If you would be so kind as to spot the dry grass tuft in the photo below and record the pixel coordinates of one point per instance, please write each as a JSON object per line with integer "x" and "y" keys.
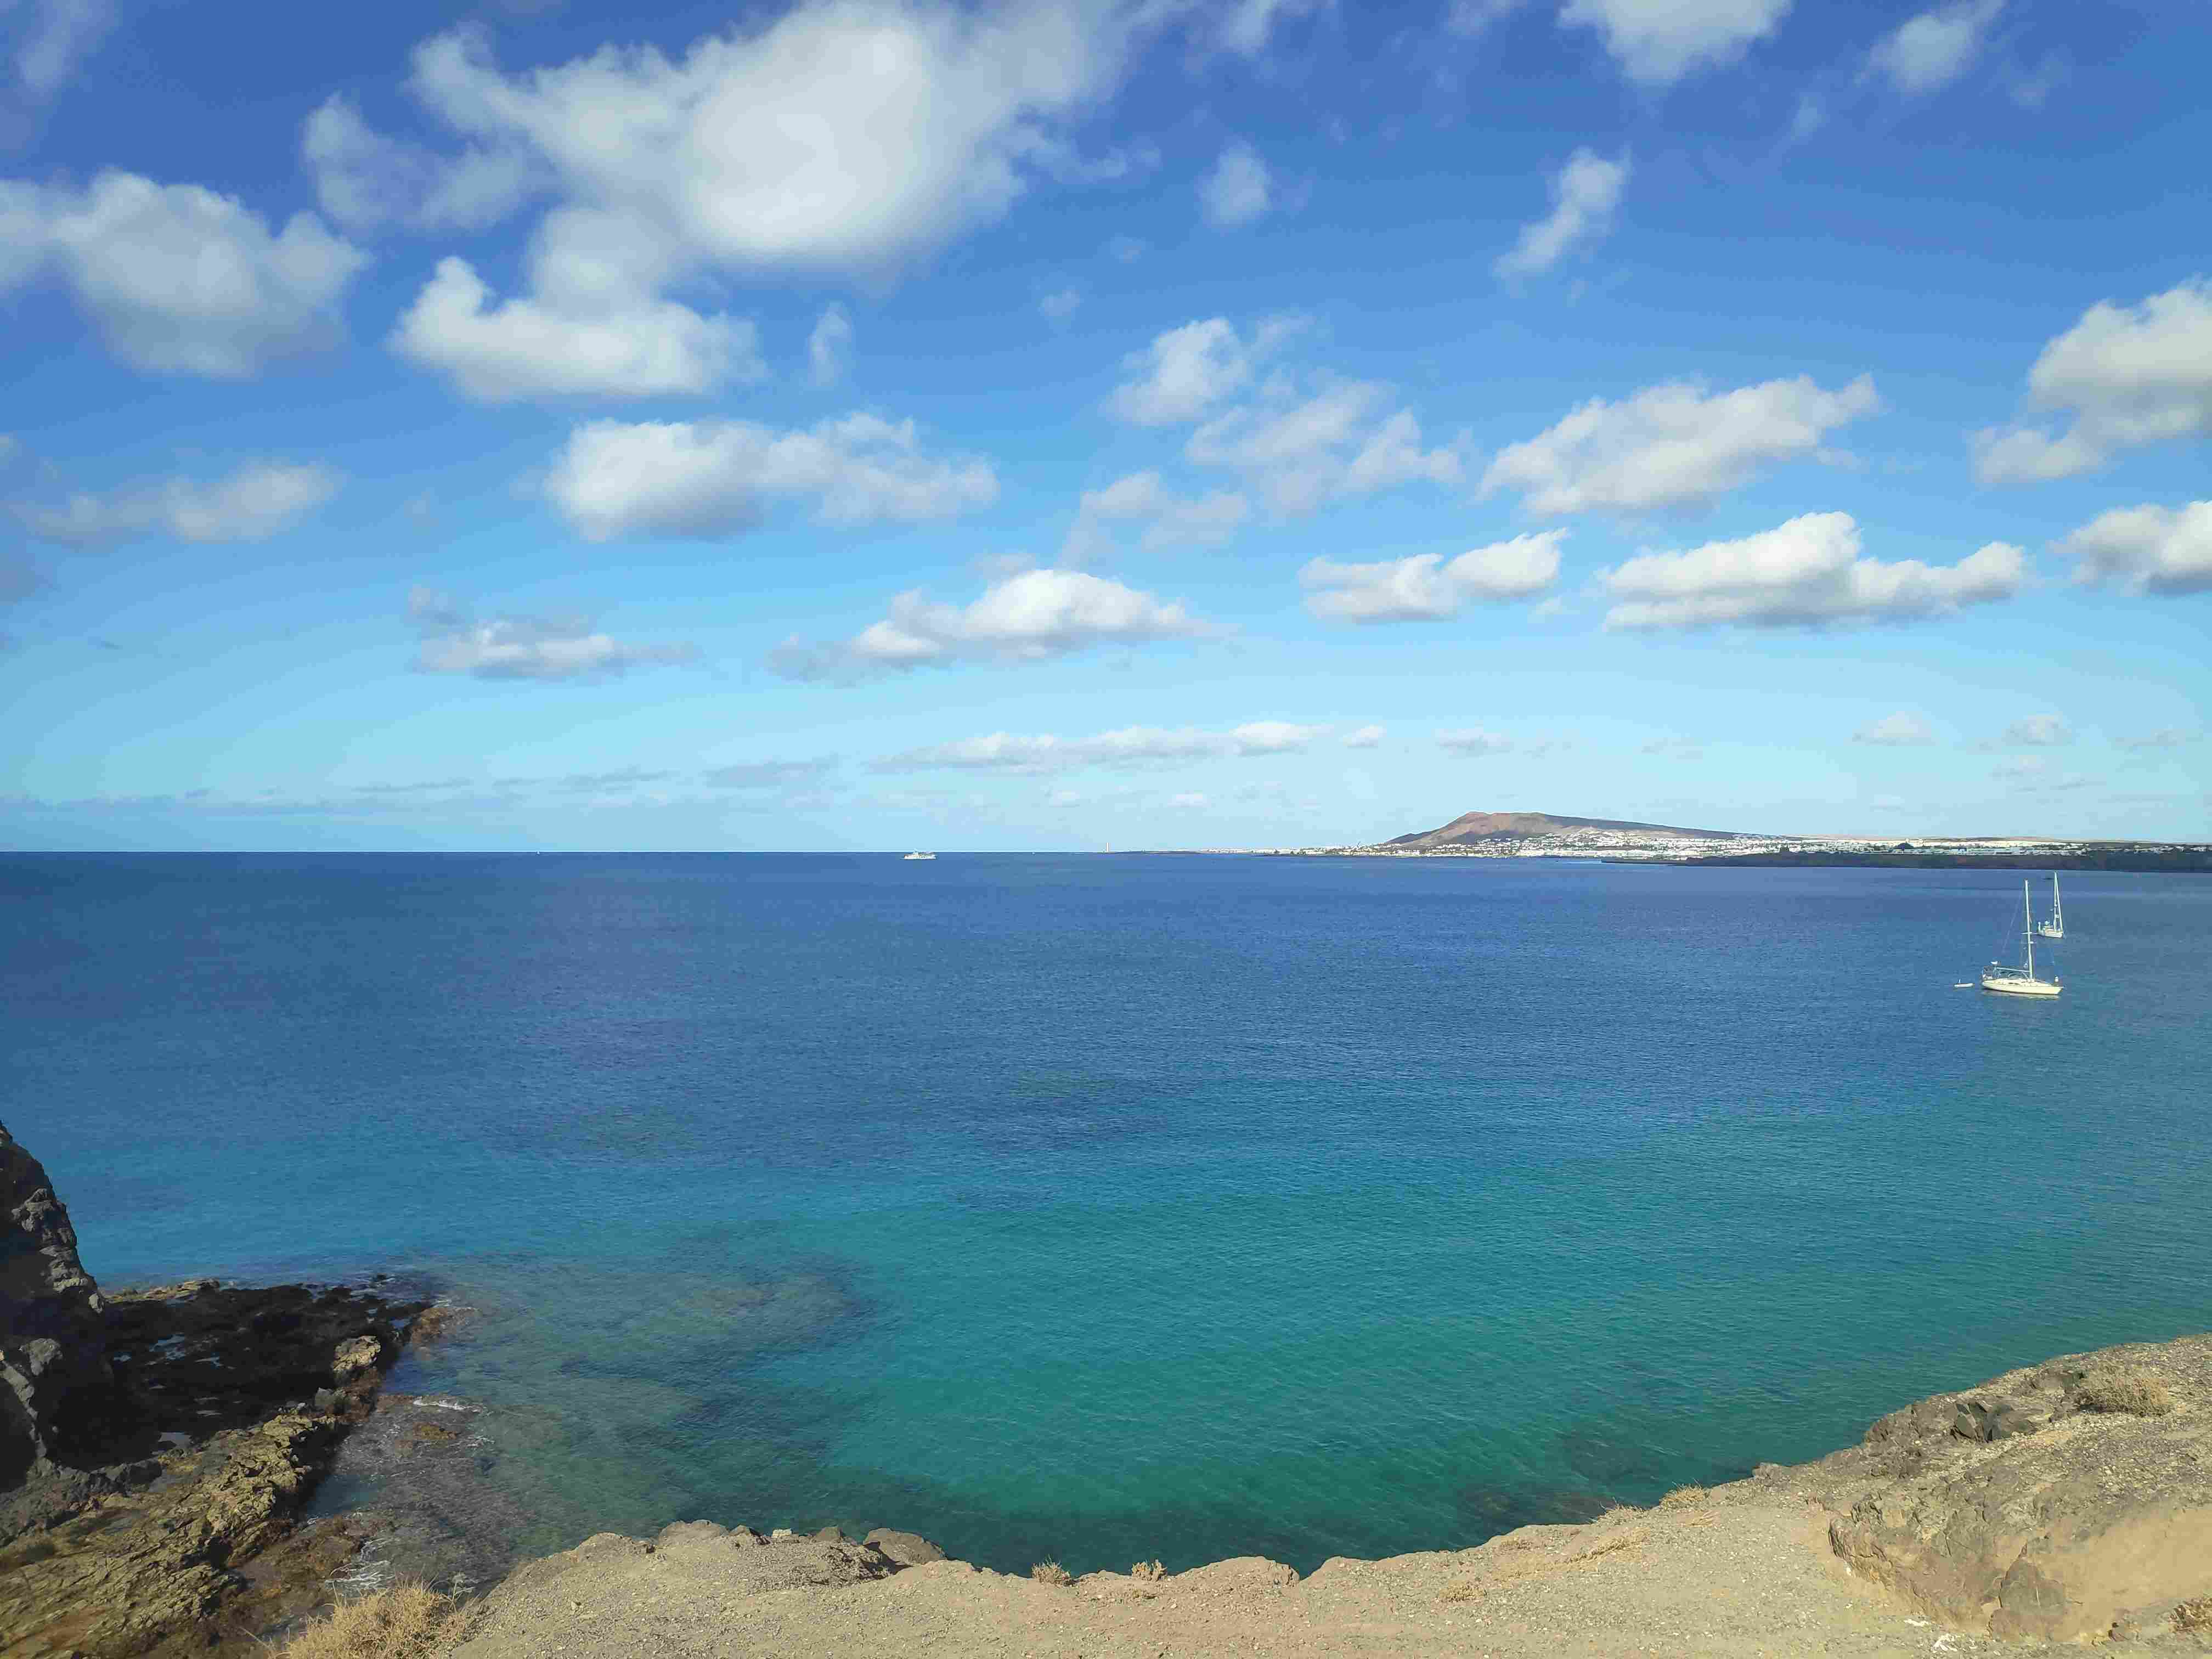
{"x": 1619, "y": 1512}
{"x": 1051, "y": 1573}
{"x": 1147, "y": 1572}
{"x": 2137, "y": 1393}
{"x": 1459, "y": 1590}
{"x": 1626, "y": 1541}
{"x": 407, "y": 1621}
{"x": 2193, "y": 1615}
{"x": 1682, "y": 1495}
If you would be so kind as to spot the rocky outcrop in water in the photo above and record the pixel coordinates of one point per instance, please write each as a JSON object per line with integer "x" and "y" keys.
{"x": 162, "y": 1442}
{"x": 55, "y": 1383}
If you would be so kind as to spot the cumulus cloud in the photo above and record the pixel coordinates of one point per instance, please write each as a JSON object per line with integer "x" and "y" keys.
{"x": 258, "y": 500}
{"x": 713, "y": 478}
{"x": 2039, "y": 731}
{"x": 2131, "y": 375}
{"x": 527, "y": 348}
{"x": 1806, "y": 572}
{"x": 177, "y": 279}
{"x": 522, "y": 647}
{"x": 1028, "y": 618}
{"x": 829, "y": 347}
{"x": 1425, "y": 588}
{"x": 1673, "y": 444}
{"x": 1657, "y": 42}
{"x": 1187, "y": 370}
{"x": 1585, "y": 193}
{"x": 1125, "y": 746}
{"x": 1300, "y": 449}
{"x": 1248, "y": 24}
{"x": 1474, "y": 741}
{"x": 2147, "y": 550}
{"x": 1169, "y": 520}
{"x": 1237, "y": 189}
{"x": 367, "y": 181}
{"x": 1366, "y": 737}
{"x": 1927, "y": 52}
{"x": 1903, "y": 729}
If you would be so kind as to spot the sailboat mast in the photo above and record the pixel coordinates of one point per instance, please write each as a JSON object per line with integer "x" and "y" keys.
{"x": 2027, "y": 927}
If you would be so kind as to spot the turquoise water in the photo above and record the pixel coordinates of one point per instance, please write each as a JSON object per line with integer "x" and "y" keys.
{"x": 1109, "y": 1208}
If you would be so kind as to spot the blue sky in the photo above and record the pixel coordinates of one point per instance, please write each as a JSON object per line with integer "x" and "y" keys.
{"x": 1069, "y": 423}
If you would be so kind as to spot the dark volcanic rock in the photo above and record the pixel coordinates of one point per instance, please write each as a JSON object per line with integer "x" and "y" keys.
{"x": 55, "y": 1385}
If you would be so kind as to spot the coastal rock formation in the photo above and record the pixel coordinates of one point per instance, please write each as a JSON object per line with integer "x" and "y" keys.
{"x": 2066, "y": 1500}
{"x": 55, "y": 1383}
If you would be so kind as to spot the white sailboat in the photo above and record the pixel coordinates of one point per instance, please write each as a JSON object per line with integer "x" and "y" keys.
{"x": 2055, "y": 928}
{"x": 911, "y": 857}
{"x": 2021, "y": 981}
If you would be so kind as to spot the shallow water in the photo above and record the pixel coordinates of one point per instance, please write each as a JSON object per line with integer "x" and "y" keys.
{"x": 1109, "y": 1208}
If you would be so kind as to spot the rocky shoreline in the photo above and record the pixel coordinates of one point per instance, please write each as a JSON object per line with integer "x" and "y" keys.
{"x": 156, "y": 1446}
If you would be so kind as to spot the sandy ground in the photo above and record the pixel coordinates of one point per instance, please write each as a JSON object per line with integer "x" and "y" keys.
{"x": 1739, "y": 1572}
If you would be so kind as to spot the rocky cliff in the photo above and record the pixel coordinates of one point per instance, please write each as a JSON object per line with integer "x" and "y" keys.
{"x": 56, "y": 1385}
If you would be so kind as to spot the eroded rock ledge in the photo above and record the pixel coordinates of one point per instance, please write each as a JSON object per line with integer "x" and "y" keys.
{"x": 159, "y": 1443}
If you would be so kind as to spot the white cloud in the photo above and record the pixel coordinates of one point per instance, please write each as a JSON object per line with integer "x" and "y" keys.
{"x": 1474, "y": 741}
{"x": 1060, "y": 304}
{"x": 1927, "y": 52}
{"x": 2132, "y": 376}
{"x": 1673, "y": 446}
{"x": 1125, "y": 746}
{"x": 1657, "y": 42}
{"x": 1249, "y": 23}
{"x": 1584, "y": 195}
{"x": 2147, "y": 550}
{"x": 1186, "y": 371}
{"x": 829, "y": 347}
{"x": 1425, "y": 588}
{"x": 50, "y": 40}
{"x": 520, "y": 647}
{"x": 1366, "y": 737}
{"x": 711, "y": 478}
{"x": 1028, "y": 618}
{"x": 2039, "y": 731}
{"x": 255, "y": 502}
{"x": 1173, "y": 520}
{"x": 1301, "y": 450}
{"x": 366, "y": 180}
{"x": 1805, "y": 572}
{"x": 1902, "y": 730}
{"x": 1237, "y": 190}
{"x": 843, "y": 135}
{"x": 526, "y": 347}
{"x": 180, "y": 280}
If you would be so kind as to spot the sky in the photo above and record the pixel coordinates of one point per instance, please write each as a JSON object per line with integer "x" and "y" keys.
{"x": 1100, "y": 423}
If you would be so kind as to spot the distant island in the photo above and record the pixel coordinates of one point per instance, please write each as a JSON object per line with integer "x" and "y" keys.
{"x": 1547, "y": 835}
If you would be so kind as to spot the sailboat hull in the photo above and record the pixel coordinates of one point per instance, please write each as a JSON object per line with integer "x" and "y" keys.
{"x": 2007, "y": 985}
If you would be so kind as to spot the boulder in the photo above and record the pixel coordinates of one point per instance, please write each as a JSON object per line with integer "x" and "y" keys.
{"x": 56, "y": 1385}
{"x": 907, "y": 1549}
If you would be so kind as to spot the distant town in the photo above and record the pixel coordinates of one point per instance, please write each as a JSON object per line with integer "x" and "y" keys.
{"x": 1541, "y": 836}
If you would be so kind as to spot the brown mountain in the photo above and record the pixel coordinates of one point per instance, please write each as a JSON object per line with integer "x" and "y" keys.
{"x": 1470, "y": 829}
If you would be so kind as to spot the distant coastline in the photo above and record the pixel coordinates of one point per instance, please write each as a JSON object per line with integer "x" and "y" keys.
{"x": 1614, "y": 840}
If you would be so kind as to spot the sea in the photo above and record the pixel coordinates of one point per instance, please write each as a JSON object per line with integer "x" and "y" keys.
{"x": 1106, "y": 1208}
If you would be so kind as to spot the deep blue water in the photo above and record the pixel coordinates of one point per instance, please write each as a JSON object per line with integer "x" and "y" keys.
{"x": 1109, "y": 1207}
